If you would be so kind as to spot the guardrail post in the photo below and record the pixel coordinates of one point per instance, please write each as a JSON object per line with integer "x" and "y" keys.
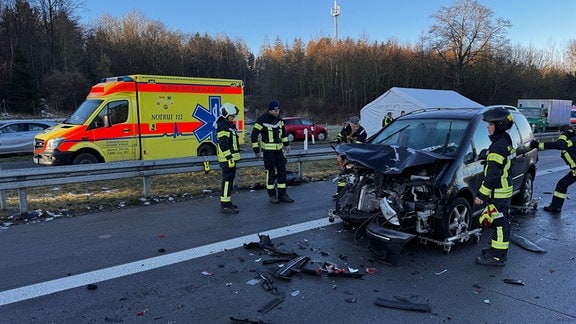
{"x": 147, "y": 186}
{"x": 2, "y": 200}
{"x": 23, "y": 200}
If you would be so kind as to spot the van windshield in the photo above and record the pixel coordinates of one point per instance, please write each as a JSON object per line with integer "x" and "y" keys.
{"x": 81, "y": 114}
{"x": 431, "y": 135}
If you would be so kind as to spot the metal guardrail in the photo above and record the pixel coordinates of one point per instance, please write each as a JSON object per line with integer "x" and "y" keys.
{"x": 21, "y": 179}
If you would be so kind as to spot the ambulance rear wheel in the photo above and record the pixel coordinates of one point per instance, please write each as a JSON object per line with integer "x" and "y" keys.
{"x": 206, "y": 149}
{"x": 85, "y": 158}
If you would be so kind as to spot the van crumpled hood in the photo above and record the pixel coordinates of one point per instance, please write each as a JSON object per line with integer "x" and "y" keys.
{"x": 389, "y": 159}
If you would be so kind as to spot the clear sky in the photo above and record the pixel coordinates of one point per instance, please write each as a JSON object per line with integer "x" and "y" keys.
{"x": 537, "y": 23}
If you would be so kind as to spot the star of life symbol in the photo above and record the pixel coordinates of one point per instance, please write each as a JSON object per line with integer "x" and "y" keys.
{"x": 208, "y": 117}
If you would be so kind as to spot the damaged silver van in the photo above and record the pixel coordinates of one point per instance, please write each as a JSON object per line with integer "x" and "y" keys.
{"x": 417, "y": 178}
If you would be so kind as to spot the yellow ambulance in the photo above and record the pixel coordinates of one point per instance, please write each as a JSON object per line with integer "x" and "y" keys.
{"x": 142, "y": 117}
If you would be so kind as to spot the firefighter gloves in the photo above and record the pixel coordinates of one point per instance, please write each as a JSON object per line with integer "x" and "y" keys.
{"x": 534, "y": 144}
{"x": 231, "y": 163}
{"x": 488, "y": 215}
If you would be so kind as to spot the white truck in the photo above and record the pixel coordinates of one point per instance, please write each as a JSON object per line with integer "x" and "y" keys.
{"x": 546, "y": 114}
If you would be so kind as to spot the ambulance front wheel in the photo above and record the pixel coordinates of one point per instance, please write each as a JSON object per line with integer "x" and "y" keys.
{"x": 85, "y": 158}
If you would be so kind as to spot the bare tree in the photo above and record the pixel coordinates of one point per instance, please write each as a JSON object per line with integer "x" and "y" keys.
{"x": 464, "y": 34}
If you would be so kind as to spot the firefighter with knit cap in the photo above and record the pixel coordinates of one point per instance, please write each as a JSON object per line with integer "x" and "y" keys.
{"x": 228, "y": 154}
{"x": 269, "y": 135}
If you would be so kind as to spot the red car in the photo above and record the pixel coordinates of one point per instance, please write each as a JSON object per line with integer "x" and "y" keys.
{"x": 295, "y": 127}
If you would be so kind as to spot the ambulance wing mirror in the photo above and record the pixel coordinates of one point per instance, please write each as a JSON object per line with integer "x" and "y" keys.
{"x": 106, "y": 120}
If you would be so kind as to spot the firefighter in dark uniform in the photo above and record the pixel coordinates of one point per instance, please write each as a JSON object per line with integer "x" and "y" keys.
{"x": 274, "y": 140}
{"x": 566, "y": 143}
{"x": 496, "y": 188}
{"x": 352, "y": 133}
{"x": 228, "y": 154}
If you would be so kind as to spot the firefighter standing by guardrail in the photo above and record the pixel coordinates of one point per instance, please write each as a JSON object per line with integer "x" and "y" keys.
{"x": 351, "y": 133}
{"x": 228, "y": 154}
{"x": 270, "y": 128}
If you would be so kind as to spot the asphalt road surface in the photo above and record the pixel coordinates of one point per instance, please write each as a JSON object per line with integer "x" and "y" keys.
{"x": 186, "y": 263}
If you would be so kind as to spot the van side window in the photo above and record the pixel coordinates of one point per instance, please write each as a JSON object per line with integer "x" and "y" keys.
{"x": 516, "y": 141}
{"x": 481, "y": 140}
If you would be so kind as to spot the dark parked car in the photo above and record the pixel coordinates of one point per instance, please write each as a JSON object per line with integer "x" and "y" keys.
{"x": 17, "y": 136}
{"x": 418, "y": 178}
{"x": 295, "y": 127}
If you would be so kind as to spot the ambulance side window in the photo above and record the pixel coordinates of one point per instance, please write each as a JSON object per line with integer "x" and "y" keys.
{"x": 118, "y": 112}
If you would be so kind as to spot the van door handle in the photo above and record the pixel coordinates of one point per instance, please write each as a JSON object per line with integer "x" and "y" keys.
{"x": 126, "y": 130}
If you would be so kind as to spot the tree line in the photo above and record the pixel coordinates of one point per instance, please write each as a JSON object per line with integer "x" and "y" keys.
{"x": 48, "y": 61}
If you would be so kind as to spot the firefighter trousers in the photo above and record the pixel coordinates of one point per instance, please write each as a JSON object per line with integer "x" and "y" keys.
{"x": 228, "y": 176}
{"x": 562, "y": 189}
{"x": 501, "y": 232}
{"x": 275, "y": 165}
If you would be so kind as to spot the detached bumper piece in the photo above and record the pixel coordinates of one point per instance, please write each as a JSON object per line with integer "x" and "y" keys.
{"x": 355, "y": 220}
{"x": 386, "y": 244}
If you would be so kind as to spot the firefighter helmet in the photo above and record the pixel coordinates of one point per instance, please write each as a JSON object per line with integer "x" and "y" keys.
{"x": 228, "y": 109}
{"x": 500, "y": 117}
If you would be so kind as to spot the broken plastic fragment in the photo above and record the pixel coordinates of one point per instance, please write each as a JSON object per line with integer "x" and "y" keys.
{"x": 207, "y": 273}
{"x": 441, "y": 272}
{"x": 352, "y": 270}
{"x": 253, "y": 282}
{"x": 371, "y": 270}
{"x": 295, "y": 293}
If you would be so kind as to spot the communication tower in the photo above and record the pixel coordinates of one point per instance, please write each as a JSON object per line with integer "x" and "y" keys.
{"x": 335, "y": 13}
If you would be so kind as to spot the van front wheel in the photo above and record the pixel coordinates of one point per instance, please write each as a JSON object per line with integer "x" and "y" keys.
{"x": 85, "y": 158}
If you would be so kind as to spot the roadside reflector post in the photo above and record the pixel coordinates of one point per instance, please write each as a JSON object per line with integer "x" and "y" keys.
{"x": 312, "y": 129}
{"x": 146, "y": 184}
{"x": 2, "y": 200}
{"x": 22, "y": 200}
{"x": 306, "y": 139}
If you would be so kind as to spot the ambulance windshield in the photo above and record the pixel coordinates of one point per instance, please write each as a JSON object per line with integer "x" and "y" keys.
{"x": 83, "y": 112}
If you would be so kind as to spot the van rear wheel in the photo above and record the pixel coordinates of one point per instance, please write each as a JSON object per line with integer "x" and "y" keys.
{"x": 85, "y": 158}
{"x": 526, "y": 190}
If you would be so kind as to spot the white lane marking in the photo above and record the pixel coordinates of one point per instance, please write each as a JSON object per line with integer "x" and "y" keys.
{"x": 57, "y": 285}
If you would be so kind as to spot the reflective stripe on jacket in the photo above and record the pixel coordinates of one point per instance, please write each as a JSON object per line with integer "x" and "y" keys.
{"x": 497, "y": 180}
{"x": 565, "y": 143}
{"x": 270, "y": 129}
{"x": 227, "y": 138}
